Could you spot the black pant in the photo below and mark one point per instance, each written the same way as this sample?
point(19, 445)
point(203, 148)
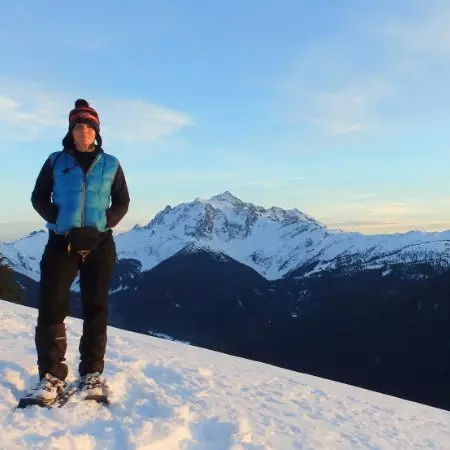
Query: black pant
point(58, 270)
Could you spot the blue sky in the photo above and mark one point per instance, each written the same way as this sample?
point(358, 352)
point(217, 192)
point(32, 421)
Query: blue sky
point(340, 109)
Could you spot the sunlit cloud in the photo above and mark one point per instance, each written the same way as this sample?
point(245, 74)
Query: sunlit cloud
point(389, 209)
point(381, 227)
point(29, 113)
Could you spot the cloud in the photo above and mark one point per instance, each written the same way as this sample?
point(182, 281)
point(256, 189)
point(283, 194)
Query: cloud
point(347, 110)
point(385, 217)
point(374, 73)
point(390, 209)
point(30, 113)
point(364, 213)
point(428, 34)
point(365, 197)
point(140, 121)
point(324, 91)
point(269, 182)
point(183, 176)
point(366, 223)
point(389, 227)
point(28, 117)
point(368, 208)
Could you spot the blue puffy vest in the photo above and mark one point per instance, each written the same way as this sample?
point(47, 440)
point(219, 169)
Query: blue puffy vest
point(82, 199)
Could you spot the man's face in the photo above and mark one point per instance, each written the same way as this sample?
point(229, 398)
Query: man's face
point(83, 134)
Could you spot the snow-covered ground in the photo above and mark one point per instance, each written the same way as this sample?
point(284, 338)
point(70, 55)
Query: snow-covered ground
point(168, 395)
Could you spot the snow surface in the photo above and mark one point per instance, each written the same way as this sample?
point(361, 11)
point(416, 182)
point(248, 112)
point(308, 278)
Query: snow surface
point(167, 395)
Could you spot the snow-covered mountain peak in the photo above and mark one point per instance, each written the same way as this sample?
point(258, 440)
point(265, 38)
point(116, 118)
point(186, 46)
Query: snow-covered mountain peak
point(233, 208)
point(290, 216)
point(224, 216)
point(225, 198)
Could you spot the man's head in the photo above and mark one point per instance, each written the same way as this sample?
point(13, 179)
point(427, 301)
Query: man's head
point(84, 125)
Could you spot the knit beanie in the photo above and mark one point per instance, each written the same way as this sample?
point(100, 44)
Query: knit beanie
point(82, 113)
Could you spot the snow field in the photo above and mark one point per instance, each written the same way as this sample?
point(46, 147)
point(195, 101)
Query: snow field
point(167, 395)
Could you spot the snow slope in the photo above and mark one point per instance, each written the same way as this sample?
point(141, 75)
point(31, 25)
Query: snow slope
point(169, 396)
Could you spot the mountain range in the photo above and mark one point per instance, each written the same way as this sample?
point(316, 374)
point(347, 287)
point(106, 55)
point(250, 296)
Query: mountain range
point(276, 243)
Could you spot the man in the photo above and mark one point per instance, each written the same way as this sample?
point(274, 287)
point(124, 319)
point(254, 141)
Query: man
point(82, 193)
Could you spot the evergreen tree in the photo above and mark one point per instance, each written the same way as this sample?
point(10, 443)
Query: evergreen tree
point(9, 289)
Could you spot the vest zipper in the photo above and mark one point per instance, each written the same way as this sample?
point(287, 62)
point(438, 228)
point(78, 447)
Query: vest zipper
point(83, 189)
point(83, 199)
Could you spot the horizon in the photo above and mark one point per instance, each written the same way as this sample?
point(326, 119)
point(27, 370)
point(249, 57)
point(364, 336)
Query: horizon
point(18, 235)
point(338, 110)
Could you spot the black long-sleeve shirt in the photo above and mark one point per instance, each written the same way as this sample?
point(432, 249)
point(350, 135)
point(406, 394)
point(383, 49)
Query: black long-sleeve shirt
point(41, 198)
